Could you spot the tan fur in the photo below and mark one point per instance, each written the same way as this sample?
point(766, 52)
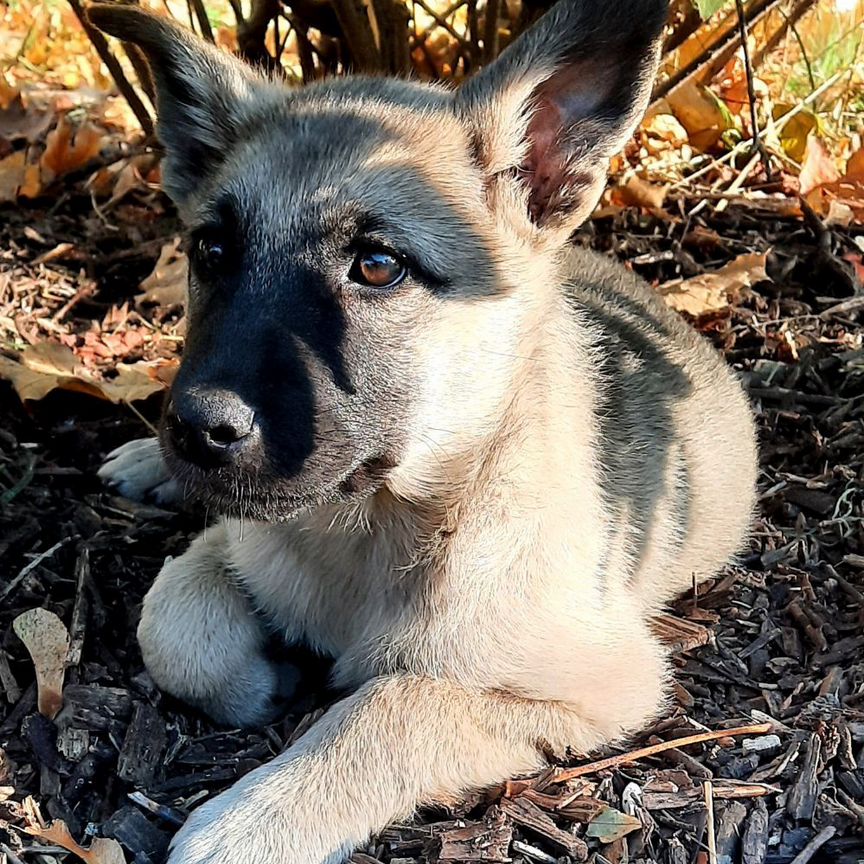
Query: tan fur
point(574, 456)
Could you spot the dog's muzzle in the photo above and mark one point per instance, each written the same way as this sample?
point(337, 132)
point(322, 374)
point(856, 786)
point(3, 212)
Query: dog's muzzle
point(212, 428)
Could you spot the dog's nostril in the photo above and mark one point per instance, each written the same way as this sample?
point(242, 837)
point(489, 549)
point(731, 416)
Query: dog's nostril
point(225, 434)
point(212, 427)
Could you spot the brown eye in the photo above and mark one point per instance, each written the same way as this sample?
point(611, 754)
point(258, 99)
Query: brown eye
point(377, 270)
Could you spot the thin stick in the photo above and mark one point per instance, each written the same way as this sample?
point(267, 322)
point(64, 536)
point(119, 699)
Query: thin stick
point(652, 750)
point(708, 789)
point(203, 20)
point(100, 43)
point(490, 31)
point(751, 93)
point(29, 568)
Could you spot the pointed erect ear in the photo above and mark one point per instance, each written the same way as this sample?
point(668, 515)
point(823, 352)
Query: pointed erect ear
point(200, 91)
point(561, 100)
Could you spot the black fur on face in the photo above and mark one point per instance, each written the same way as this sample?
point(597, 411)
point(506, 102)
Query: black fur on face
point(276, 319)
point(299, 386)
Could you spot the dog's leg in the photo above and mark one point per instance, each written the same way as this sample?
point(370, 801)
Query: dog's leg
point(202, 643)
point(371, 759)
point(138, 471)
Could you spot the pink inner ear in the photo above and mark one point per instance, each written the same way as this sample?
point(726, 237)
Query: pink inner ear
point(567, 98)
point(545, 164)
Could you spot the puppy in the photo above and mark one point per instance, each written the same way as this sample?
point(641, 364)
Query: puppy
point(462, 458)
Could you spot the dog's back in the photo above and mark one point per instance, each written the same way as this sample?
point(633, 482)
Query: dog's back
point(677, 441)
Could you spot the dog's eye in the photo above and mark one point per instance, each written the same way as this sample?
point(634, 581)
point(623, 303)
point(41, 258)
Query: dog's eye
point(209, 253)
point(377, 270)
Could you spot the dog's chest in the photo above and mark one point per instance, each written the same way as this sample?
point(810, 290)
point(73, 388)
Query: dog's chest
point(331, 591)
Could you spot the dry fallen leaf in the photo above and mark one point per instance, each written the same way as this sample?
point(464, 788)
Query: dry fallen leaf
point(50, 366)
point(69, 147)
point(796, 130)
point(47, 641)
point(700, 113)
point(640, 193)
point(13, 170)
point(817, 168)
point(855, 165)
point(839, 199)
point(101, 851)
point(611, 825)
point(166, 285)
point(712, 292)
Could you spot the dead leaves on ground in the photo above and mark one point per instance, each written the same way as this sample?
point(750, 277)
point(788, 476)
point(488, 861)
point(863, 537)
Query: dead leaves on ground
point(837, 197)
point(46, 135)
point(48, 366)
point(102, 850)
point(710, 293)
point(47, 642)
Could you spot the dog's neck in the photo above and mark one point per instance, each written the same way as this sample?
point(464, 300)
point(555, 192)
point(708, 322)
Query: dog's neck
point(538, 450)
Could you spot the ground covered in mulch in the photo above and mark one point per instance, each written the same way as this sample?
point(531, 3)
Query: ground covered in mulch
point(776, 642)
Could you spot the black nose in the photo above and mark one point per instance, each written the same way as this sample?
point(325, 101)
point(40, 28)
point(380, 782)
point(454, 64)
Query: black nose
point(211, 427)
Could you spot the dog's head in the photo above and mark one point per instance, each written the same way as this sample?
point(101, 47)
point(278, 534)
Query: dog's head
point(367, 254)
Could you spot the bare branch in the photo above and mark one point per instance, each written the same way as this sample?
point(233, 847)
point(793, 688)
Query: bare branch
point(100, 43)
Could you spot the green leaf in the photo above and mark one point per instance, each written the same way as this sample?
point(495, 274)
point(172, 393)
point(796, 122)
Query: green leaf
point(611, 824)
point(707, 8)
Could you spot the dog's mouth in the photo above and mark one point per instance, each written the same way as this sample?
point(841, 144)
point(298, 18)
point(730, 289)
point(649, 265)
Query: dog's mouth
point(266, 495)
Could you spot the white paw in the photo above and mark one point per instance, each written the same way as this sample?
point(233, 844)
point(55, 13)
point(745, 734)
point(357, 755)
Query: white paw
point(265, 818)
point(138, 471)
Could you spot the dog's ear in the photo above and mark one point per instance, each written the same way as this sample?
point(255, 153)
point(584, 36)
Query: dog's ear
point(200, 91)
point(561, 100)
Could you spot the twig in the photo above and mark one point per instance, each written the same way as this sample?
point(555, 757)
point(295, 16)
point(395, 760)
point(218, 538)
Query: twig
point(78, 624)
point(473, 32)
point(203, 20)
point(714, 52)
point(708, 789)
point(440, 20)
point(791, 25)
point(142, 70)
point(533, 852)
point(490, 31)
point(29, 568)
point(357, 34)
point(774, 39)
point(11, 857)
point(653, 749)
point(804, 856)
point(100, 43)
point(444, 14)
point(751, 93)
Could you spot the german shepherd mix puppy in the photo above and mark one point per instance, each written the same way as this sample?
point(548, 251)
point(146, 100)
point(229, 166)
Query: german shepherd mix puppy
point(462, 458)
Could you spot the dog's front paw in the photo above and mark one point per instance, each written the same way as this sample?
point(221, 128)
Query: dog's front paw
point(138, 471)
point(263, 819)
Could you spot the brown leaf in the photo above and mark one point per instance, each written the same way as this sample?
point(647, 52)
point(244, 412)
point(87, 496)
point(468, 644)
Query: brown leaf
point(13, 171)
point(166, 285)
point(855, 165)
point(47, 641)
point(611, 825)
point(817, 168)
point(50, 366)
point(699, 113)
point(69, 147)
point(18, 122)
point(640, 193)
point(712, 292)
point(101, 851)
